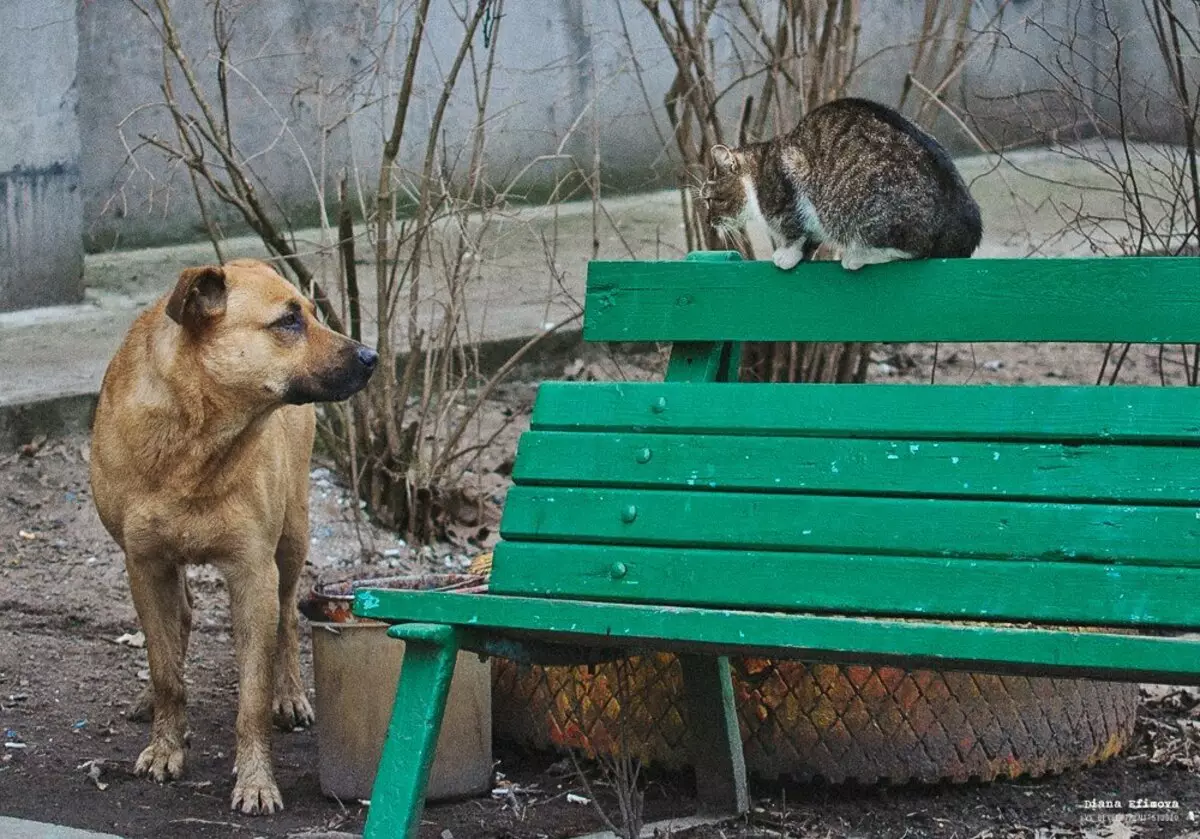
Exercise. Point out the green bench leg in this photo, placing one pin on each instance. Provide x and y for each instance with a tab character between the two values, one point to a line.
398	795
716	741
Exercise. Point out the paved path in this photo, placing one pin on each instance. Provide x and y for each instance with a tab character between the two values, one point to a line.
21	829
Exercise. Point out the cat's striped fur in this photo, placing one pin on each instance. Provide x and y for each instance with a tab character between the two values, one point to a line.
854	174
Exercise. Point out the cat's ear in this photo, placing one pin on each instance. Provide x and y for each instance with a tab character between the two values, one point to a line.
724	159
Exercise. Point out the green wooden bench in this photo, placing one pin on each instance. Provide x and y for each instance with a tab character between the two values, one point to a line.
1002	529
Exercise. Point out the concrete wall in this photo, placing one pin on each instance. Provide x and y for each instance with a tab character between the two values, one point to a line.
308	62
41	209
303	58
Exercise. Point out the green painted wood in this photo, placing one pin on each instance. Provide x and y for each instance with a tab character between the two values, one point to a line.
713	257
731	363
398	794
423	633
1014	471
894	412
705	361
1120	657
1136	299
696	362
961	589
850	524
714	738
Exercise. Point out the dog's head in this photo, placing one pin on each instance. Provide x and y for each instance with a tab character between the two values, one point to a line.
255	336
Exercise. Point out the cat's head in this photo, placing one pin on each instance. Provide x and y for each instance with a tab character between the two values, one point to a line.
726	204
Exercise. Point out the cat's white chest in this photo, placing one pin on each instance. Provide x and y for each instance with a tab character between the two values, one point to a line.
753	212
812	221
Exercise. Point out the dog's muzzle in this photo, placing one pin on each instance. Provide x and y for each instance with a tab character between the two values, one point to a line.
336	384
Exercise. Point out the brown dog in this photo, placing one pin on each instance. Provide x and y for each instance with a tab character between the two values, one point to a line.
200	453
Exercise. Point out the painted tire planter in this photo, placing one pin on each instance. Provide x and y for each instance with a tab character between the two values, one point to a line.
829	722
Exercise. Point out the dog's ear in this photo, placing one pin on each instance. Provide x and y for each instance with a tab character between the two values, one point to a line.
199	296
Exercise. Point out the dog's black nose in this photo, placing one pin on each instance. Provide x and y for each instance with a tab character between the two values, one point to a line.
368	357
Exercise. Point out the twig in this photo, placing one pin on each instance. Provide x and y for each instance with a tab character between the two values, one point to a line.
496	378
349	268
933	97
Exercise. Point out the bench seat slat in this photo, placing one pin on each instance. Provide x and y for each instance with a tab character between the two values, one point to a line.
1134	299
1048	471
963	589
802	637
844	524
1125	414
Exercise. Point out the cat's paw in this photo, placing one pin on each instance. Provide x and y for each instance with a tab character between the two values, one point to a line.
854	258
787	258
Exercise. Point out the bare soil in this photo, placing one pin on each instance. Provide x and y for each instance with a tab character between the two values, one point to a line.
66	682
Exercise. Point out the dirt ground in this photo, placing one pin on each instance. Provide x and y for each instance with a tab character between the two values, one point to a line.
66	680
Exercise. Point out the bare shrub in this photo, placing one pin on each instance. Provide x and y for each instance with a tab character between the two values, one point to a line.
618	768
1132	197
406	440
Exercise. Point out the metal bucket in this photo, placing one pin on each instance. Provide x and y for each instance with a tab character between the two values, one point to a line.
356	668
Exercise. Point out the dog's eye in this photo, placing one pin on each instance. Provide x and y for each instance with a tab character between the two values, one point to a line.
291	322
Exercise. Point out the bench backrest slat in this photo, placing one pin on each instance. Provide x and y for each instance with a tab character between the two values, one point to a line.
1160	475
855	524
1057	592
1127	299
945	412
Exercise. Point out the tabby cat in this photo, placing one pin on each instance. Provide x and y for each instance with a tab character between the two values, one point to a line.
854	174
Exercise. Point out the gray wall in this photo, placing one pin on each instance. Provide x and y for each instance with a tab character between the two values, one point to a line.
551	53
41	258
556	58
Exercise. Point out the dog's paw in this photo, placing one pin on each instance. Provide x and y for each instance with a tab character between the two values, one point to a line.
162	760
142	709
255	793
292	712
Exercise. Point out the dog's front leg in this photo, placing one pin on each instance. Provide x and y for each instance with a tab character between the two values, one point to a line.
142	709
253	582
292	709
159	595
